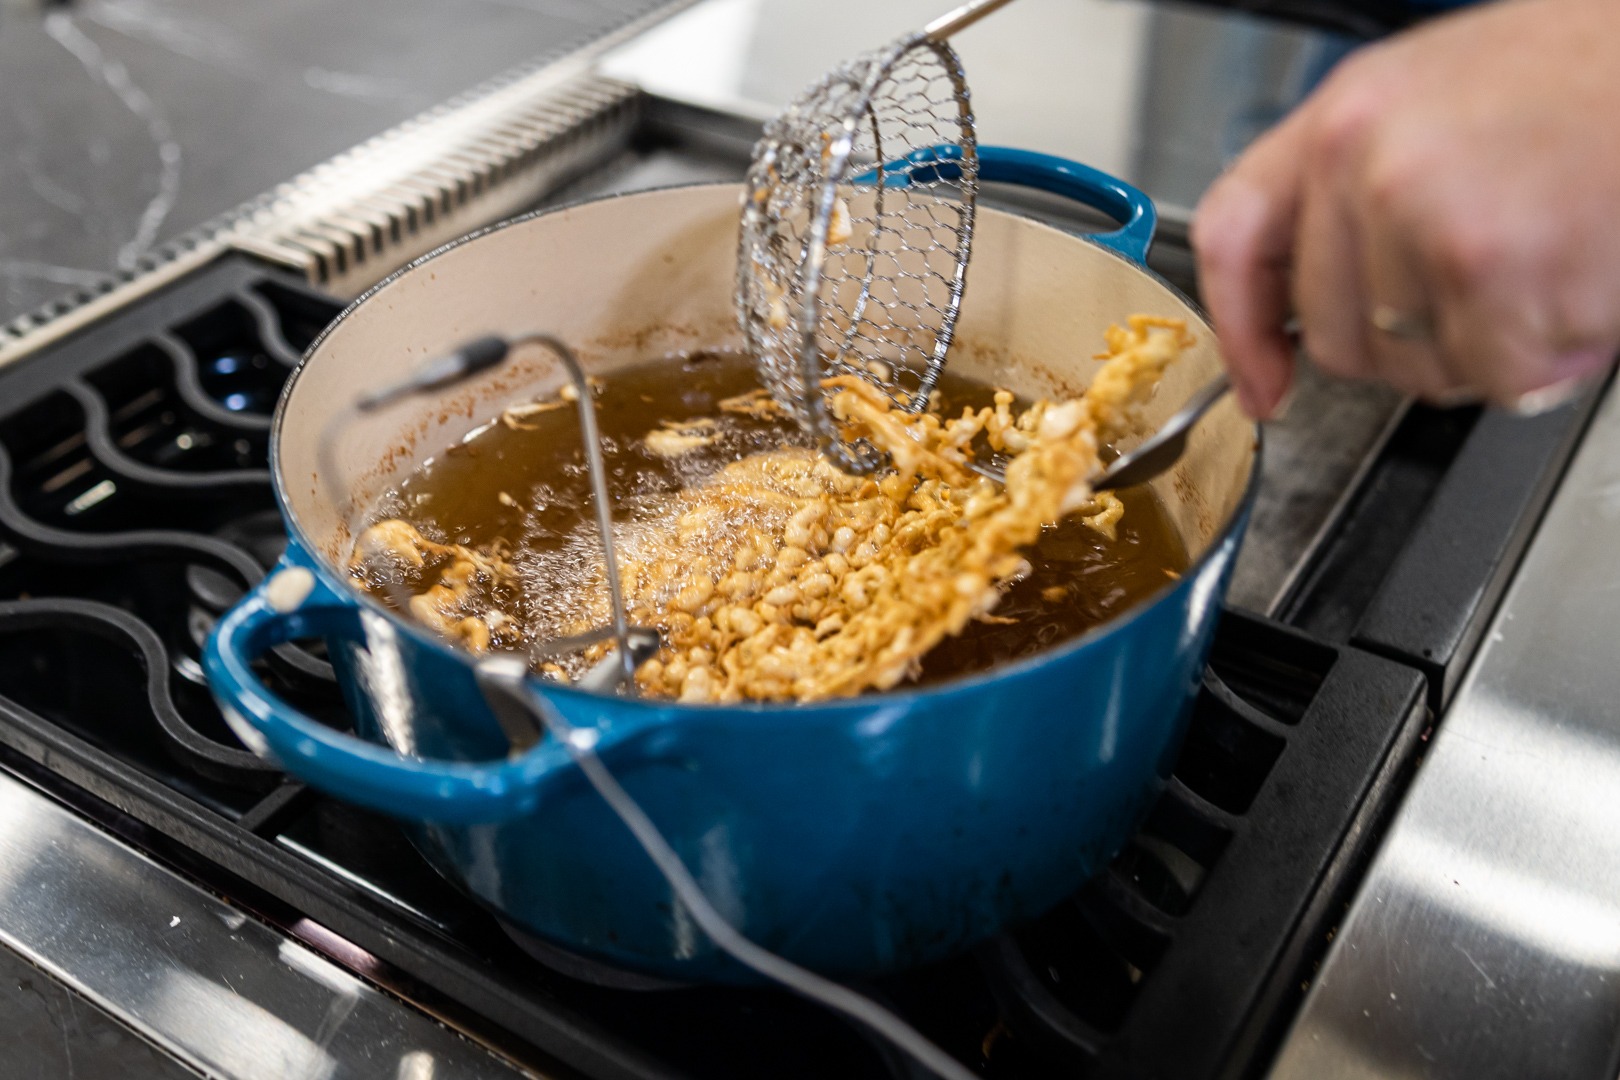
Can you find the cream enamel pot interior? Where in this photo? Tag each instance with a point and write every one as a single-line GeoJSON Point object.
{"type": "Point", "coordinates": [853, 837]}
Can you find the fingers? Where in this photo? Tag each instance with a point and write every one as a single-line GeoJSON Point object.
{"type": "Point", "coordinates": [1508, 347]}
{"type": "Point", "coordinates": [1585, 366]}
{"type": "Point", "coordinates": [1330, 295]}
{"type": "Point", "coordinates": [1582, 365]}
{"type": "Point", "coordinates": [1396, 282]}
{"type": "Point", "coordinates": [1387, 193]}
{"type": "Point", "coordinates": [1243, 235]}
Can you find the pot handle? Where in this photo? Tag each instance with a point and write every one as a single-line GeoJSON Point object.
{"type": "Point", "coordinates": [1128, 205]}
{"type": "Point", "coordinates": [293, 602]}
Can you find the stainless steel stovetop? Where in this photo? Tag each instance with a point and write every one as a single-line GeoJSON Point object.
{"type": "Point", "coordinates": [1484, 939]}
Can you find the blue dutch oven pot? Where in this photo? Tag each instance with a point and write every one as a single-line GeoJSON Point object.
{"type": "Point", "coordinates": [853, 837]}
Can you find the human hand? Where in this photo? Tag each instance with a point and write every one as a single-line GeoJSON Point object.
{"type": "Point", "coordinates": [1440, 214]}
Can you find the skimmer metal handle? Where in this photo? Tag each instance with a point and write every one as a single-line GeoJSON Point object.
{"type": "Point", "coordinates": [1155, 455]}
{"type": "Point", "coordinates": [953, 22]}
{"type": "Point", "coordinates": [1167, 445]}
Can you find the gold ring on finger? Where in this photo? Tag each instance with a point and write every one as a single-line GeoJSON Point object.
{"type": "Point", "coordinates": [1402, 325]}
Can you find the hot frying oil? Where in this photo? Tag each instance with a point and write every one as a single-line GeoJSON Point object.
{"type": "Point", "coordinates": [523, 485]}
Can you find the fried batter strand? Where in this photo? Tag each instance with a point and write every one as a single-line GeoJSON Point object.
{"type": "Point", "coordinates": [781, 578]}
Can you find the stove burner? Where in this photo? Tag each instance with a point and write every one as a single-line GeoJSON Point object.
{"type": "Point", "coordinates": [195, 750]}
{"type": "Point", "coordinates": [302, 666]}
{"type": "Point", "coordinates": [261, 534]}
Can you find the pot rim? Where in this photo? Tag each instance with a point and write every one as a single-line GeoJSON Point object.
{"type": "Point", "coordinates": [908, 696]}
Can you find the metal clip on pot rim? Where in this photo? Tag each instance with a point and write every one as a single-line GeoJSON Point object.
{"type": "Point", "coordinates": [480, 355]}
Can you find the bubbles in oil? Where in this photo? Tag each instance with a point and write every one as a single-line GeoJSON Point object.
{"type": "Point", "coordinates": [527, 490]}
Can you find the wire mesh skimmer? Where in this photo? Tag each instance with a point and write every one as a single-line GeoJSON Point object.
{"type": "Point", "coordinates": [857, 225]}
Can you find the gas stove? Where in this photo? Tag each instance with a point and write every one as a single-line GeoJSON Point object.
{"type": "Point", "coordinates": [250, 926]}
{"type": "Point", "coordinates": [136, 507]}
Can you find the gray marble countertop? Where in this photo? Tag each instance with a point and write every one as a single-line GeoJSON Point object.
{"type": "Point", "coordinates": [125, 123]}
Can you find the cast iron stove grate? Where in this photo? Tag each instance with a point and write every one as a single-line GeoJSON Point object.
{"type": "Point", "coordinates": [135, 506]}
